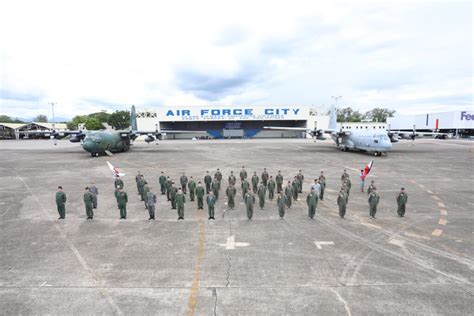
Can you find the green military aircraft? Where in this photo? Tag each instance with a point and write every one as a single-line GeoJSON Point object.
{"type": "Point", "coordinates": [112, 141]}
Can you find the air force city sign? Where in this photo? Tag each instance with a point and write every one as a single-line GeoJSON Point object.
{"type": "Point", "coordinates": [213, 113]}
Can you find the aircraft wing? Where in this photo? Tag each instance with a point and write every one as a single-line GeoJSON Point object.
{"type": "Point", "coordinates": [56, 134]}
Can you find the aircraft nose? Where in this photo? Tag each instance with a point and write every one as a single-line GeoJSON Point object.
{"type": "Point", "coordinates": [89, 146]}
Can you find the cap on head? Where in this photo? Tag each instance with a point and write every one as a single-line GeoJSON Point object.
{"type": "Point", "coordinates": [87, 188]}
{"type": "Point", "coordinates": [60, 187]}
{"type": "Point", "coordinates": [403, 189]}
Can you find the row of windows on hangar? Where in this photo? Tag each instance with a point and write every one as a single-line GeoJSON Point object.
{"type": "Point", "coordinates": [363, 127]}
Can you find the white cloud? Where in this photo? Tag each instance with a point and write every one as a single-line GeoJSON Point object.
{"type": "Point", "coordinates": [94, 55]}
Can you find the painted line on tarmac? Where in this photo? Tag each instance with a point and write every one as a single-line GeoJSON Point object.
{"type": "Point", "coordinates": [416, 236]}
{"type": "Point", "coordinates": [441, 204]}
{"type": "Point", "coordinates": [444, 212]}
{"type": "Point", "coordinates": [437, 232]}
{"type": "Point", "coordinates": [442, 221]}
{"type": "Point", "coordinates": [436, 197]}
{"type": "Point", "coordinates": [193, 297]}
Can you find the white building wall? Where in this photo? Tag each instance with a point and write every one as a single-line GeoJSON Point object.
{"type": "Point", "coordinates": [446, 120]}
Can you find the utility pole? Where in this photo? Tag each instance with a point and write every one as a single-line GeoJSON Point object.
{"type": "Point", "coordinates": [336, 98]}
{"type": "Point", "coordinates": [54, 125]}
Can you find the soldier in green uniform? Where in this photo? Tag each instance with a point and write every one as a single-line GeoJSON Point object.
{"type": "Point", "coordinates": [192, 188]}
{"type": "Point", "coordinates": [300, 178]}
{"type": "Point", "coordinates": [264, 177]}
{"type": "Point", "coordinates": [279, 181]}
{"type": "Point", "coordinates": [180, 199]}
{"type": "Point", "coordinates": [89, 203]}
{"type": "Point", "coordinates": [232, 179]}
{"type": "Point", "coordinates": [402, 199]}
{"type": "Point", "coordinates": [200, 195]}
{"type": "Point", "coordinates": [271, 188]}
{"type": "Point", "coordinates": [254, 182]}
{"type": "Point", "coordinates": [373, 202]}
{"type": "Point", "coordinates": [61, 202]}
{"type": "Point", "coordinates": [243, 174]}
{"type": "Point", "coordinates": [215, 188]}
{"type": "Point", "coordinates": [261, 195]}
{"type": "Point", "coordinates": [296, 188]}
{"type": "Point", "coordinates": [169, 184]}
{"type": "Point", "coordinates": [344, 175]}
{"type": "Point", "coordinates": [118, 182]}
{"type": "Point", "coordinates": [150, 202]}
{"type": "Point", "coordinates": [141, 185]}
{"type": "Point", "coordinates": [342, 202]}
{"type": "Point", "coordinates": [208, 181]}
{"type": "Point", "coordinates": [322, 182]}
{"type": "Point", "coordinates": [137, 178]}
{"type": "Point", "coordinates": [184, 182]}
{"type": "Point", "coordinates": [122, 200]}
{"type": "Point", "coordinates": [162, 181]}
{"type": "Point", "coordinates": [281, 202]}
{"type": "Point", "coordinates": [231, 192]}
{"type": "Point", "coordinates": [249, 202]}
{"type": "Point", "coordinates": [371, 187]}
{"type": "Point", "coordinates": [173, 192]}
{"type": "Point", "coordinates": [116, 193]}
{"type": "Point", "coordinates": [312, 201]}
{"type": "Point", "coordinates": [211, 201]}
{"type": "Point", "coordinates": [288, 194]}
{"type": "Point", "coordinates": [348, 184]}
{"type": "Point", "coordinates": [218, 176]}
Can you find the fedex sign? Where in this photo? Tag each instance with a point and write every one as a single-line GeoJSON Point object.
{"type": "Point", "coordinates": [466, 116]}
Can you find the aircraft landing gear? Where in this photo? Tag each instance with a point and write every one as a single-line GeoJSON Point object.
{"type": "Point", "coordinates": [377, 153]}
{"type": "Point", "coordinates": [94, 154]}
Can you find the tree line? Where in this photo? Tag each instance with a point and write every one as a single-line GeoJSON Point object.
{"type": "Point", "coordinates": [374, 115]}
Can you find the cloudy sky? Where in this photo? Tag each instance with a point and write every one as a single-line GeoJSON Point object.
{"type": "Point", "coordinates": [105, 55]}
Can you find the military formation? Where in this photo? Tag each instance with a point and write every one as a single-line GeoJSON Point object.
{"type": "Point", "coordinates": [257, 189]}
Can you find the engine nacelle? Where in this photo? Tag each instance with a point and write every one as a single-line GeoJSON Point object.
{"type": "Point", "coordinates": [75, 139]}
{"type": "Point", "coordinates": [149, 139]}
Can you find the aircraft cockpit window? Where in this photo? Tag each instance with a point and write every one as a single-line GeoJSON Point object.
{"type": "Point", "coordinates": [376, 141]}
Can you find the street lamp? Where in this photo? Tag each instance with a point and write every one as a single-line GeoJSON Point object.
{"type": "Point", "coordinates": [53, 125]}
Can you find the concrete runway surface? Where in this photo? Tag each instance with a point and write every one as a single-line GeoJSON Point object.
{"type": "Point", "coordinates": [420, 264]}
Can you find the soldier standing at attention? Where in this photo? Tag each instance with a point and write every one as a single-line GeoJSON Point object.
{"type": "Point", "coordinates": [141, 185]}
{"type": "Point", "coordinates": [279, 182]}
{"type": "Point", "coordinates": [254, 182]}
{"type": "Point", "coordinates": [118, 182]}
{"type": "Point", "coordinates": [249, 202]}
{"type": "Point", "coordinates": [402, 199]}
{"type": "Point", "coordinates": [162, 181]}
{"type": "Point", "coordinates": [180, 199]}
{"type": "Point", "coordinates": [296, 187]}
{"type": "Point", "coordinates": [94, 192]}
{"type": "Point", "coordinates": [231, 192]}
{"type": "Point", "coordinates": [116, 193]}
{"type": "Point", "coordinates": [362, 180]}
{"type": "Point", "coordinates": [215, 188]}
{"type": "Point", "coordinates": [344, 175]}
{"type": "Point", "coordinates": [232, 179]}
{"type": "Point", "coordinates": [312, 201]}
{"type": "Point", "coordinates": [146, 189]}
{"type": "Point", "coordinates": [271, 188]}
{"type": "Point", "coordinates": [245, 187]}
{"type": "Point", "coordinates": [261, 195]}
{"type": "Point", "coordinates": [169, 184]}
{"type": "Point", "coordinates": [88, 202]}
{"type": "Point", "coordinates": [300, 178]}
{"type": "Point", "coordinates": [243, 174]}
{"type": "Point", "coordinates": [184, 182]}
{"type": "Point", "coordinates": [371, 187]}
{"type": "Point", "coordinates": [281, 202]}
{"type": "Point", "coordinates": [342, 202]}
{"type": "Point", "coordinates": [61, 202]}
{"type": "Point", "coordinates": [288, 194]}
{"type": "Point", "coordinates": [208, 181]}
{"type": "Point", "coordinates": [200, 195]}
{"type": "Point", "coordinates": [192, 188]}
{"type": "Point", "coordinates": [373, 202]}
{"type": "Point", "coordinates": [322, 181]}
{"type": "Point", "coordinates": [151, 200]}
{"type": "Point", "coordinates": [137, 178]}
{"type": "Point", "coordinates": [348, 184]}
{"type": "Point", "coordinates": [173, 192]}
{"type": "Point", "coordinates": [264, 177]}
{"type": "Point", "coordinates": [211, 201]}
{"type": "Point", "coordinates": [218, 176]}
{"type": "Point", "coordinates": [122, 200]}
{"type": "Point", "coordinates": [316, 187]}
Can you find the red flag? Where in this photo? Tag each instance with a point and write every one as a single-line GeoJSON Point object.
{"type": "Point", "coordinates": [367, 169]}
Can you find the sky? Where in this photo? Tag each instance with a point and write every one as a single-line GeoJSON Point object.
{"type": "Point", "coordinates": [88, 56]}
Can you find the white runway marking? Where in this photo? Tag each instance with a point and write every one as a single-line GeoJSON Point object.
{"type": "Point", "coordinates": [319, 244]}
{"type": "Point", "coordinates": [231, 244]}
{"type": "Point", "coordinates": [437, 232]}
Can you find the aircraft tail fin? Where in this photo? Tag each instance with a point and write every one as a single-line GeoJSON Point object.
{"type": "Point", "coordinates": [133, 119]}
{"type": "Point", "coordinates": [333, 118]}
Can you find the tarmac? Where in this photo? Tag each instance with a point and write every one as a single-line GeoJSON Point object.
{"type": "Point", "coordinates": [420, 264]}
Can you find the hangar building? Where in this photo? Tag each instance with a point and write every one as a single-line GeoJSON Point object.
{"type": "Point", "coordinates": [460, 123]}
{"type": "Point", "coordinates": [232, 121]}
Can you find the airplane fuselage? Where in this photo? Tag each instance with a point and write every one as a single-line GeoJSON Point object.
{"type": "Point", "coordinates": [368, 141]}
{"type": "Point", "coordinates": [99, 142]}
